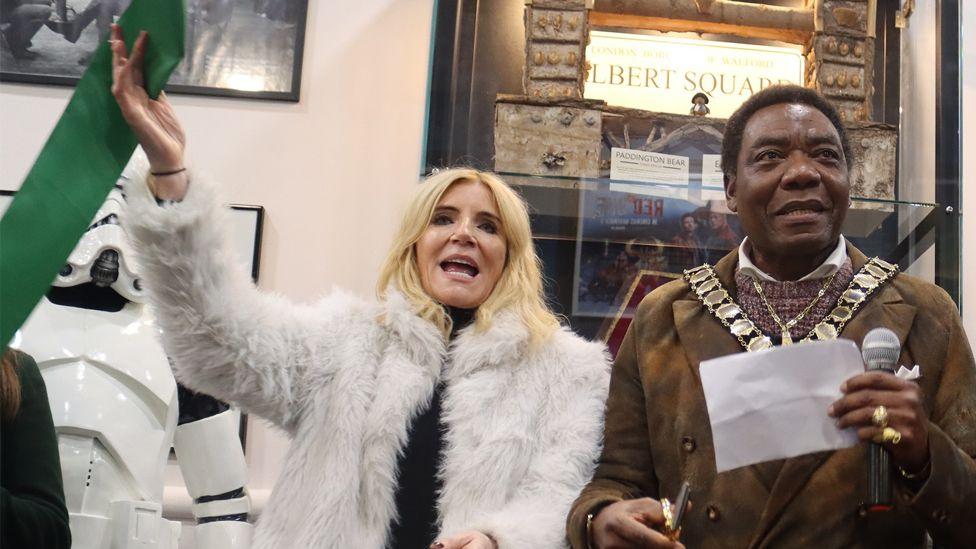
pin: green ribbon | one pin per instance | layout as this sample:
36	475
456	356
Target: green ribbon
79	164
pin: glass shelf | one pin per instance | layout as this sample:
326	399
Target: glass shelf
606	210
606	243
583	183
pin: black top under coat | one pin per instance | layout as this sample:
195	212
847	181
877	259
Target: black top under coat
417	480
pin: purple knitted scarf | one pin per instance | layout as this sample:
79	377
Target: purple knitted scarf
789	299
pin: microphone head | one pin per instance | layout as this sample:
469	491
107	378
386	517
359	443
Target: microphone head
880	348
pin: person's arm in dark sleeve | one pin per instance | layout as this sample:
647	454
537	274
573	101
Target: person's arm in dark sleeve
32	509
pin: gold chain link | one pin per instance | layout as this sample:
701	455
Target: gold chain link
785	327
717	301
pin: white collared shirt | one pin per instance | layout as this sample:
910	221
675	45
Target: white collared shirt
833	263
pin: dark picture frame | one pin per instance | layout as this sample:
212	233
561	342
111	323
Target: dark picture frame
248	228
234	48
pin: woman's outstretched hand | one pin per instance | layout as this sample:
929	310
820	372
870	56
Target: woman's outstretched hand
152	120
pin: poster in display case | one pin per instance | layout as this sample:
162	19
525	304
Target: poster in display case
633	238
626	229
239	48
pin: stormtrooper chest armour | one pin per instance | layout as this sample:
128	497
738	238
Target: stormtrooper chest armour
114	403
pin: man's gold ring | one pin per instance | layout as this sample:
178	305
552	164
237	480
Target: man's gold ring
880	417
887	435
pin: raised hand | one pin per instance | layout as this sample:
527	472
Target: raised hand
152	120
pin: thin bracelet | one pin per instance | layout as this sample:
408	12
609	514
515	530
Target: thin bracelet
162	174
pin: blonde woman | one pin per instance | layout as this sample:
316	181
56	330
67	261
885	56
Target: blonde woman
454	412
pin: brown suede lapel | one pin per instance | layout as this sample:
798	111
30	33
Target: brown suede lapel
792	478
884	309
702	336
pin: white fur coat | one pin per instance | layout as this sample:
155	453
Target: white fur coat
523	428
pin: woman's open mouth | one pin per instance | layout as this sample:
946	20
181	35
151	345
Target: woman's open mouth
460	268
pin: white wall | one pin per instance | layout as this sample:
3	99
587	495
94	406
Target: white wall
968	77
332	171
917	137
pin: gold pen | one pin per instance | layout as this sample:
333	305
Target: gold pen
673	517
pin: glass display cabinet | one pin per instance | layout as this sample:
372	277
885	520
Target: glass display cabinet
608	117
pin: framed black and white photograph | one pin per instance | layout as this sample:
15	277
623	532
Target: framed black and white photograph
237	48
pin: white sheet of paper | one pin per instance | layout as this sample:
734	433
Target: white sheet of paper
773	404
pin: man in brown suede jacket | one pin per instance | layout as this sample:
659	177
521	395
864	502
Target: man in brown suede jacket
787	164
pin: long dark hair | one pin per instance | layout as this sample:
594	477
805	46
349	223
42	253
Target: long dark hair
9	385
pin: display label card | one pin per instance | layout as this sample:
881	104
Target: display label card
634	165
712	175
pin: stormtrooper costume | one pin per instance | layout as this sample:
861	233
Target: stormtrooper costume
114	403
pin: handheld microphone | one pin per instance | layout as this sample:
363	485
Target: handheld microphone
880	350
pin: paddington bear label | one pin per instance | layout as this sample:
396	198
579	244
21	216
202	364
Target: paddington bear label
650	167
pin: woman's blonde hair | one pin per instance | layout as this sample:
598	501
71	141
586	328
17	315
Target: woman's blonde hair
519	288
